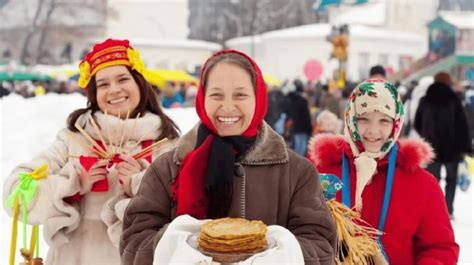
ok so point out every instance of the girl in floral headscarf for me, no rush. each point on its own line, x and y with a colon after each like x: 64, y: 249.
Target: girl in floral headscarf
x: 383, y: 178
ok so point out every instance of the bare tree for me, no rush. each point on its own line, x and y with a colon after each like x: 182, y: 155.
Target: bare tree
x: 31, y: 31
x: 235, y: 18
x: 3, y: 2
x: 49, y: 20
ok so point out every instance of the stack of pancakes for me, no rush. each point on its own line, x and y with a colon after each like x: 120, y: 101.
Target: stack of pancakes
x: 233, y: 236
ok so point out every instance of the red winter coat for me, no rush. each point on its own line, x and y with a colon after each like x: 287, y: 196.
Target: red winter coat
x: 417, y: 230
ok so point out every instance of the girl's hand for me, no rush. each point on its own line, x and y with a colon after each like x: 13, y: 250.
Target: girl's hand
x: 125, y: 170
x: 96, y: 173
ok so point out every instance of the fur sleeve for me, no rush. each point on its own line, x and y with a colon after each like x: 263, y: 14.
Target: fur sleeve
x: 114, y: 210
x: 48, y: 207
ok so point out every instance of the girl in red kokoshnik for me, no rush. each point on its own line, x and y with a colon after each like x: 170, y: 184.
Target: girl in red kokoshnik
x: 383, y: 179
x: 82, y: 201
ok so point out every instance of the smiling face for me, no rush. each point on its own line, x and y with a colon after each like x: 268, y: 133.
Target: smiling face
x: 374, y: 128
x: 117, y: 91
x: 229, y: 98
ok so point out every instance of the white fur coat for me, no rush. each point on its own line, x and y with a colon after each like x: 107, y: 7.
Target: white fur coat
x: 88, y: 231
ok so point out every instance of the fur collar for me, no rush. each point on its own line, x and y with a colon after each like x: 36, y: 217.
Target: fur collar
x: 269, y: 148
x: 325, y: 151
x: 146, y: 127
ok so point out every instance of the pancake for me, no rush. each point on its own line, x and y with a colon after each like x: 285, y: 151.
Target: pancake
x: 228, y: 228
x: 232, y: 239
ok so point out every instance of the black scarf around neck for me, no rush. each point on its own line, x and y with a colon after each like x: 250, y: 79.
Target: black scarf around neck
x: 225, y: 151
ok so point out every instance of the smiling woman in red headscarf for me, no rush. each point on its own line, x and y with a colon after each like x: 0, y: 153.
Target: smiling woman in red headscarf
x: 231, y: 164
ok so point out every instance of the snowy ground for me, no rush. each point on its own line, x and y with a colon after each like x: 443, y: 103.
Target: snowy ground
x: 29, y: 125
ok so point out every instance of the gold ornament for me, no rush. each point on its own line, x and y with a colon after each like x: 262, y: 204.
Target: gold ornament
x: 84, y: 74
x: 135, y: 60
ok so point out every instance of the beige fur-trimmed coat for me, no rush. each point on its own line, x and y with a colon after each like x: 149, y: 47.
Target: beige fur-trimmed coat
x: 87, y: 231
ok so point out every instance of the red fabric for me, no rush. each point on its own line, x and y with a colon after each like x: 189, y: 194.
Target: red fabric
x: 145, y: 144
x: 88, y: 161
x: 414, y: 152
x: 192, y: 200
x: 429, y: 261
x: 107, y: 52
x: 188, y: 189
x: 418, y: 229
x: 114, y: 161
x: 74, y: 198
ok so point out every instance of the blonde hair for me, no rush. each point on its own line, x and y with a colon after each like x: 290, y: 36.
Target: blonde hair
x: 327, y: 122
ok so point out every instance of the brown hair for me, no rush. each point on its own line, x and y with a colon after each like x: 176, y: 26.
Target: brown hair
x: 148, y: 102
x: 230, y: 58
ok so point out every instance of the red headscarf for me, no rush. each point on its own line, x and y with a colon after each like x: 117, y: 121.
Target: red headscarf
x: 189, y: 187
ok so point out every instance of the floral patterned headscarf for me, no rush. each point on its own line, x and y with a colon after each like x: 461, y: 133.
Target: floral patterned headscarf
x: 369, y: 96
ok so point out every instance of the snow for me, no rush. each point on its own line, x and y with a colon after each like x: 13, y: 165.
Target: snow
x: 361, y: 31
x: 177, y: 43
x: 322, y: 30
x: 243, y: 40
x: 29, y: 125
x: 308, y: 31
x: 461, y: 20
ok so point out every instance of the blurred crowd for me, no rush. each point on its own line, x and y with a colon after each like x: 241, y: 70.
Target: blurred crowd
x: 297, y: 108
x: 29, y: 89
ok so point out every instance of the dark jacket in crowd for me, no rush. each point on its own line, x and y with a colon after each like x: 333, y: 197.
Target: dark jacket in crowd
x: 441, y: 120
x: 329, y: 102
x: 4, y: 92
x: 275, y: 106
x: 296, y: 107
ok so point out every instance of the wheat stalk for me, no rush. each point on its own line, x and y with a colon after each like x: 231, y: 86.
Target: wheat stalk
x: 84, y: 145
x: 123, y: 130
x: 97, y: 130
x: 107, y: 128
x: 146, y: 151
x: 92, y: 141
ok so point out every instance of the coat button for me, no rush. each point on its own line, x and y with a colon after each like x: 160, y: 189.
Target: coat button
x: 239, y: 170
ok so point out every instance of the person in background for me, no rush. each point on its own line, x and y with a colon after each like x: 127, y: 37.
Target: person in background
x: 441, y: 120
x: 182, y: 89
x: 190, y: 97
x: 170, y: 97
x: 275, y: 105
x: 231, y: 164
x: 3, y: 91
x: 297, y: 109
x: 377, y: 72
x: 329, y: 101
x: 327, y: 122
x: 412, y: 102
x: 81, y: 202
x: 469, y: 99
x: 62, y: 88
x: 383, y: 179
